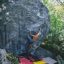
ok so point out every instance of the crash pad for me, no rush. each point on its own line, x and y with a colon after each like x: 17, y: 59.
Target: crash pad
x: 39, y: 62
x: 49, y: 60
x: 24, y: 61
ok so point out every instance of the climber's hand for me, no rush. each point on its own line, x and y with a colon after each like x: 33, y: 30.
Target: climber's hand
x: 35, y: 46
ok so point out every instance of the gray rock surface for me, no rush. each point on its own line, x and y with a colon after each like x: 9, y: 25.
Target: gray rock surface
x: 3, y: 59
x: 21, y: 17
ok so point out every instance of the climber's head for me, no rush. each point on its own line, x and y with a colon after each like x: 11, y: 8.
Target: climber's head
x: 35, y: 35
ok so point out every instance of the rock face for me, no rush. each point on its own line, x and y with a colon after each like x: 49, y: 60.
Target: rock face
x: 3, y: 59
x: 21, y: 17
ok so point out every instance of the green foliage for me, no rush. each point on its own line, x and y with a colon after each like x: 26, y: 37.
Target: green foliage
x: 55, y: 38
x: 12, y: 58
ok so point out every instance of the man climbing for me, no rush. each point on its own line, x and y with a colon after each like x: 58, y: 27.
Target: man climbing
x: 32, y: 41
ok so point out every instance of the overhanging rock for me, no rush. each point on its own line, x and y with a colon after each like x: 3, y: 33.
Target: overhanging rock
x: 23, y: 16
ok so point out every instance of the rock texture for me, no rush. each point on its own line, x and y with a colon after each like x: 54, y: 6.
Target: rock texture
x: 21, y: 17
x: 3, y: 59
